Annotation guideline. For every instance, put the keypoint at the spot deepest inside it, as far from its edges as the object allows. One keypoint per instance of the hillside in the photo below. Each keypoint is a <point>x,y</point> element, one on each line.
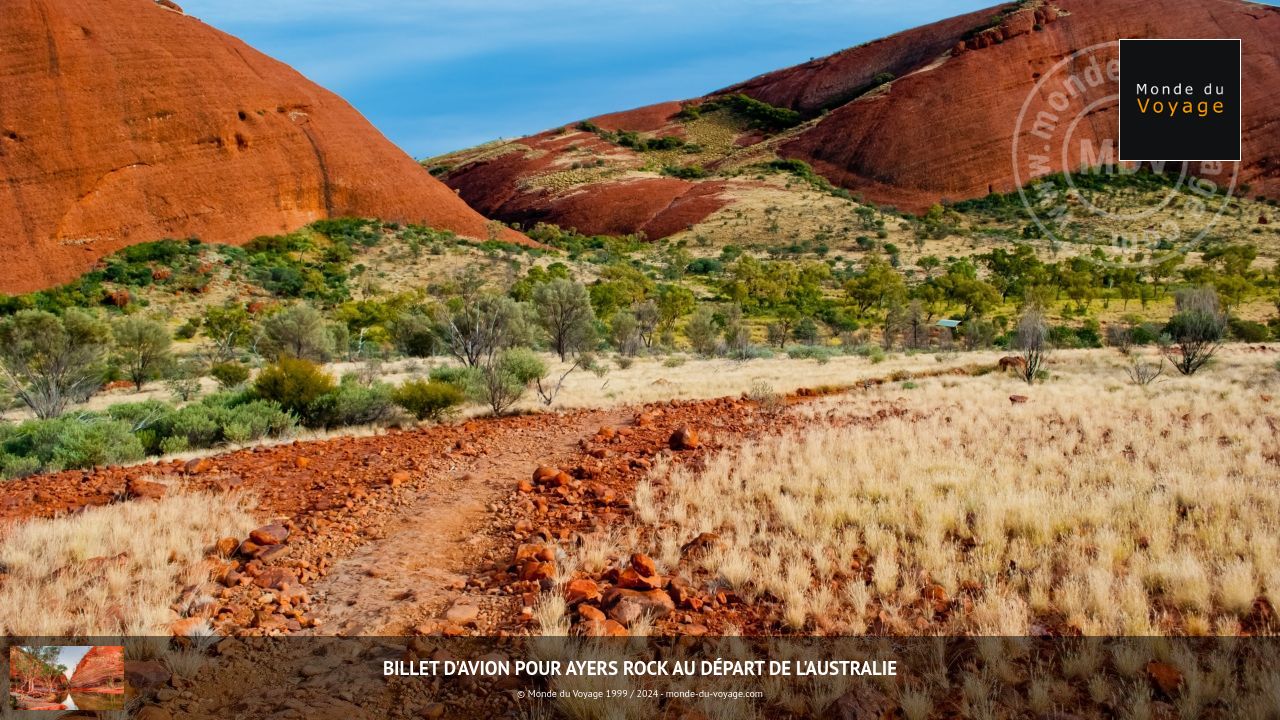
<point>922,117</point>
<point>224,144</point>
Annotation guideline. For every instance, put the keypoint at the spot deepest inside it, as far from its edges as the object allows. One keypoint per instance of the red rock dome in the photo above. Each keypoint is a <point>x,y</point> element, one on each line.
<point>124,121</point>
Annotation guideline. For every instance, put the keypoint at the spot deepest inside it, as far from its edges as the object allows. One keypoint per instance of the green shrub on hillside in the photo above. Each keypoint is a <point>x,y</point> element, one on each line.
<point>229,374</point>
<point>294,384</point>
<point>761,115</point>
<point>428,399</point>
<point>352,403</point>
<point>66,443</point>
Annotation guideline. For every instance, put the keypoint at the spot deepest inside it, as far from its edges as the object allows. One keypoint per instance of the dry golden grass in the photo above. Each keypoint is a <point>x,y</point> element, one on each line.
<point>1098,505</point>
<point>658,379</point>
<point>85,574</point>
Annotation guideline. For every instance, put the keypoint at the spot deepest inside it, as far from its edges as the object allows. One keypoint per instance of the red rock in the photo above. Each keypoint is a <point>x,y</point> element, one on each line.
<point>655,602</point>
<point>197,466</point>
<point>144,489</point>
<point>524,486</point>
<point>186,627</point>
<point>400,478</point>
<point>534,570</point>
<point>603,628</point>
<point>581,590</point>
<point>590,613</point>
<point>1165,676</point>
<point>982,78</point>
<point>101,668</point>
<point>633,580</point>
<point>684,438</point>
<point>153,712</point>
<point>276,578</point>
<point>226,546</point>
<point>145,675</point>
<point>302,463</point>
<point>545,474</point>
<point>644,565</point>
<point>113,147</point>
<point>531,551</point>
<point>272,534</point>
<point>703,542</point>
<point>1018,399</point>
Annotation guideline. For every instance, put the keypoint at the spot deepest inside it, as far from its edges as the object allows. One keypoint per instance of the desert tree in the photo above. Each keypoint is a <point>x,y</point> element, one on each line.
<point>702,331</point>
<point>228,328</point>
<point>479,329</point>
<point>1143,373</point>
<point>1195,331</point>
<point>299,331</point>
<point>564,313</point>
<point>47,361</point>
<point>504,379</point>
<point>1032,338</point>
<point>624,333</point>
<point>143,348</point>
<point>648,319</point>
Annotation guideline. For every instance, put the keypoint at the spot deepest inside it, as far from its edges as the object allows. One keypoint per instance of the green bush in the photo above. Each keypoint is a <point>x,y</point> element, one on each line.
<point>67,443</point>
<point>352,403</point>
<point>1249,331</point>
<point>463,378</point>
<point>428,399</point>
<point>229,374</point>
<point>294,384</point>
<point>812,352</point>
<point>501,384</point>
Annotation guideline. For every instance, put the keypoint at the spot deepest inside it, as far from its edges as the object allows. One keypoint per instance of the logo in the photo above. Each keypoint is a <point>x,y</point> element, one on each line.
<point>1078,192</point>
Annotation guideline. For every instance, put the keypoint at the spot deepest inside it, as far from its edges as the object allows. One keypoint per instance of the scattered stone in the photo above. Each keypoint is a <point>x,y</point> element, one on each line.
<point>146,675</point>
<point>1165,676</point>
<point>272,534</point>
<point>656,602</point>
<point>684,438</point>
<point>581,590</point>
<point>198,466</point>
<point>276,578</point>
<point>700,544</point>
<point>1018,399</point>
<point>545,474</point>
<point>644,565</point>
<point>400,478</point>
<point>140,489</point>
<point>226,546</point>
<point>462,614</point>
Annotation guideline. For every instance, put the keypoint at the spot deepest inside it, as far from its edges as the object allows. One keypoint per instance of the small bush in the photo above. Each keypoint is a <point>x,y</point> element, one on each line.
<point>1249,331</point>
<point>463,378</point>
<point>811,352</point>
<point>294,384</point>
<point>428,399</point>
<point>69,443</point>
<point>353,403</point>
<point>229,374</point>
<point>505,381</point>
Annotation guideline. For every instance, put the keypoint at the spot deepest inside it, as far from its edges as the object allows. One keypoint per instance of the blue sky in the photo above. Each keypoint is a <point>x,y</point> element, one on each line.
<point>439,75</point>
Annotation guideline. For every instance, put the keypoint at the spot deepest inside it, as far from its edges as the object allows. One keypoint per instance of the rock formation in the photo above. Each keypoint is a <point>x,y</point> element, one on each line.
<point>123,121</point>
<point>100,670</point>
<point>918,117</point>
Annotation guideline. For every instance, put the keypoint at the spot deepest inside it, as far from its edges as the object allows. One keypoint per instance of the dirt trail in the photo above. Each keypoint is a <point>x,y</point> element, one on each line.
<point>421,562</point>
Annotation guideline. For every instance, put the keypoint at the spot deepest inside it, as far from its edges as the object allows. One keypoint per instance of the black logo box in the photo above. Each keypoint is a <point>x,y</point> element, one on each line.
<point>1180,62</point>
